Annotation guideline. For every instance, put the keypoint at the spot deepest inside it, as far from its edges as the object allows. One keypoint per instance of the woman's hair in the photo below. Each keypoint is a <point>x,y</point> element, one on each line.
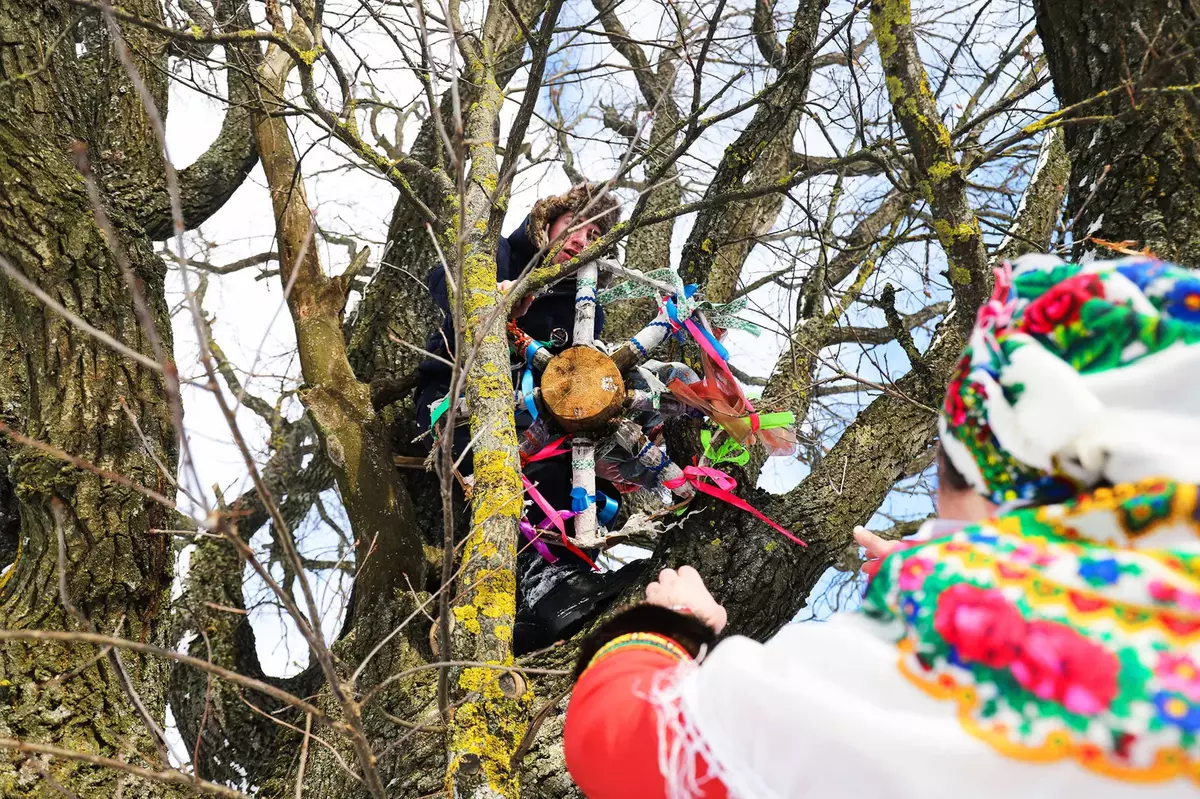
<point>948,475</point>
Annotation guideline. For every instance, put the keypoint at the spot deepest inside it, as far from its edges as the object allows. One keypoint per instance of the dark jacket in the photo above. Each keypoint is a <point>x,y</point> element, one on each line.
<point>553,310</point>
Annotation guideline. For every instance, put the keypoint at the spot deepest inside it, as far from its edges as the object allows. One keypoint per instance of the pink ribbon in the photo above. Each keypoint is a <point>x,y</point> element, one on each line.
<point>552,450</point>
<point>724,484</point>
<point>556,518</point>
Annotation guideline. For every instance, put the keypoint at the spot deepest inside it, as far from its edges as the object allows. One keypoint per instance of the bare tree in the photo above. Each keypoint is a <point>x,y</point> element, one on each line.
<point>853,171</point>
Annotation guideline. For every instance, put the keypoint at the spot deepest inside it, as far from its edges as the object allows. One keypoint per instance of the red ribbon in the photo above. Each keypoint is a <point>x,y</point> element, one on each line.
<point>724,485</point>
<point>552,450</point>
<point>556,518</point>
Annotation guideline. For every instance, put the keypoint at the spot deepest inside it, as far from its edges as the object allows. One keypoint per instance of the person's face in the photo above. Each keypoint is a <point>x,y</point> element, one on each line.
<point>960,504</point>
<point>575,238</point>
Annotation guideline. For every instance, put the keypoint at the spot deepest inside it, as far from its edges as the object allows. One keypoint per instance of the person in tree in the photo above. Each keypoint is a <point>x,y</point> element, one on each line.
<point>1040,639</point>
<point>553,599</point>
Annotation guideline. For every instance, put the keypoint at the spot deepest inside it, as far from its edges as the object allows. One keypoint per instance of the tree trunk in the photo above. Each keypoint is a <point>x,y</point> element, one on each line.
<point>60,386</point>
<point>1134,169</point>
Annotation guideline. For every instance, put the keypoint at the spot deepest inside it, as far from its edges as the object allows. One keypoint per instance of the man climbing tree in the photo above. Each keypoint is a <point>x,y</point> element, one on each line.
<point>555,594</point>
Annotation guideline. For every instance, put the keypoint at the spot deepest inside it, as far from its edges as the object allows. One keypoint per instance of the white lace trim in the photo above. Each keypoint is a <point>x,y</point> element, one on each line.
<point>680,744</point>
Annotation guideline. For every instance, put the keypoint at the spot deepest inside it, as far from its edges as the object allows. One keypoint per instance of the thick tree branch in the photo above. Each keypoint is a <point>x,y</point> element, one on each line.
<point>939,176</point>
<point>351,434</point>
<point>211,180</point>
<point>1041,204</point>
<point>764,144</point>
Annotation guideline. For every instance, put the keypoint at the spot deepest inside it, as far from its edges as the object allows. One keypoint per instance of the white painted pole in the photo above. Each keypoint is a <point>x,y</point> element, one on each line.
<point>585,306</point>
<point>583,475</point>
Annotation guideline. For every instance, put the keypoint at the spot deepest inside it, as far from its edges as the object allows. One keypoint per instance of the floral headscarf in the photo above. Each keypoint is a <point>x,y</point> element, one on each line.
<point>1077,375</point>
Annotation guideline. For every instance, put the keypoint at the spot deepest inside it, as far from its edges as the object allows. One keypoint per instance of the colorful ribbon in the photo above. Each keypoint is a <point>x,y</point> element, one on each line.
<point>531,534</point>
<point>730,450</point>
<point>556,518</point>
<point>527,380</point>
<point>439,410</point>
<point>724,484</point>
<point>726,316</point>
<point>558,446</point>
<point>534,535</point>
<point>606,506</point>
<point>723,316</point>
<point>771,421</point>
<point>716,352</point>
<point>631,289</point>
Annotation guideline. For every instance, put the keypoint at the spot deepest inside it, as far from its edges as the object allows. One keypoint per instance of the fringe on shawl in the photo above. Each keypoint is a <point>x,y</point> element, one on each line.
<point>681,747</point>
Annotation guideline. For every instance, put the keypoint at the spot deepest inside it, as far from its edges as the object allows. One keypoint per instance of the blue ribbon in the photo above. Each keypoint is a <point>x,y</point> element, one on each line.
<point>676,323</point>
<point>606,506</point>
<point>673,314</point>
<point>527,381</point>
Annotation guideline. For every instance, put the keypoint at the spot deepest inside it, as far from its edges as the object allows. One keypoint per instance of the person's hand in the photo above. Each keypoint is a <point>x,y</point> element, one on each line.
<point>876,547</point>
<point>521,307</point>
<point>684,591</point>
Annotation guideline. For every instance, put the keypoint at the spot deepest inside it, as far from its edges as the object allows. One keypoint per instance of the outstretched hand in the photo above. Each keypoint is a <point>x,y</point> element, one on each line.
<point>521,307</point>
<point>684,590</point>
<point>876,547</point>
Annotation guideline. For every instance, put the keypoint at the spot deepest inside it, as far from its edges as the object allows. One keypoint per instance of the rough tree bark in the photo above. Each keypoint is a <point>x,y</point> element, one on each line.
<point>1129,69</point>
<point>62,86</point>
<point>61,387</point>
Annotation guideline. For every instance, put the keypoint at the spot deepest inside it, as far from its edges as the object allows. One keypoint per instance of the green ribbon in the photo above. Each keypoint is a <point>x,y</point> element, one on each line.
<point>437,412</point>
<point>730,450</point>
<point>726,316</point>
<point>632,289</point>
<point>722,316</point>
<point>769,421</point>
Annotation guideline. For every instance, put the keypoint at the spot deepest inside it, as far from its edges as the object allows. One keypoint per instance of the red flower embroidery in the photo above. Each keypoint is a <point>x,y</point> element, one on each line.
<point>1060,305</point>
<point>1060,664</point>
<point>1049,659</point>
<point>913,573</point>
<point>980,624</point>
<point>1168,594</point>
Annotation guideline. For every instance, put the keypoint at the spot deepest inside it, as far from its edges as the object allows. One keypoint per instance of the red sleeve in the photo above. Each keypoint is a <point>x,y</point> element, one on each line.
<point>611,733</point>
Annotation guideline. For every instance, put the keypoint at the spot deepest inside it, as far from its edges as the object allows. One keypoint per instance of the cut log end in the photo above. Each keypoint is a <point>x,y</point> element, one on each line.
<point>582,389</point>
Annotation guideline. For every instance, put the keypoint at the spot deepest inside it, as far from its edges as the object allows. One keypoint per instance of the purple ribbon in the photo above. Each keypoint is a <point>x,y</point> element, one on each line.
<point>532,534</point>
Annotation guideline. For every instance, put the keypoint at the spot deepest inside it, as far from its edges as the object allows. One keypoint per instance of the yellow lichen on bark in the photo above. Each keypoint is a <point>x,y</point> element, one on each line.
<point>488,724</point>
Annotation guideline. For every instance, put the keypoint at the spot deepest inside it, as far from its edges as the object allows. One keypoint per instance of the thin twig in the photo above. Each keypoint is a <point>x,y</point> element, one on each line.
<point>168,776</point>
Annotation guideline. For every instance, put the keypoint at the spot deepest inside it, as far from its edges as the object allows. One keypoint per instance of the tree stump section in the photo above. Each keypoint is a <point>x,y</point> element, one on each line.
<point>582,389</point>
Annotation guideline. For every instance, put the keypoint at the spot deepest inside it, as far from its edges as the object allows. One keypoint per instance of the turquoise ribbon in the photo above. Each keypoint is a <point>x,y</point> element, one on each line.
<point>606,506</point>
<point>527,381</point>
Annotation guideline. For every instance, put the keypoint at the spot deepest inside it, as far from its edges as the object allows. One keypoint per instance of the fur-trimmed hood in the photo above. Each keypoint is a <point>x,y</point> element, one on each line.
<point>590,201</point>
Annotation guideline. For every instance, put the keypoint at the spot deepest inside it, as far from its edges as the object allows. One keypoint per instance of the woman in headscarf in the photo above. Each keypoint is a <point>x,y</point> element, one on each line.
<point>1040,639</point>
